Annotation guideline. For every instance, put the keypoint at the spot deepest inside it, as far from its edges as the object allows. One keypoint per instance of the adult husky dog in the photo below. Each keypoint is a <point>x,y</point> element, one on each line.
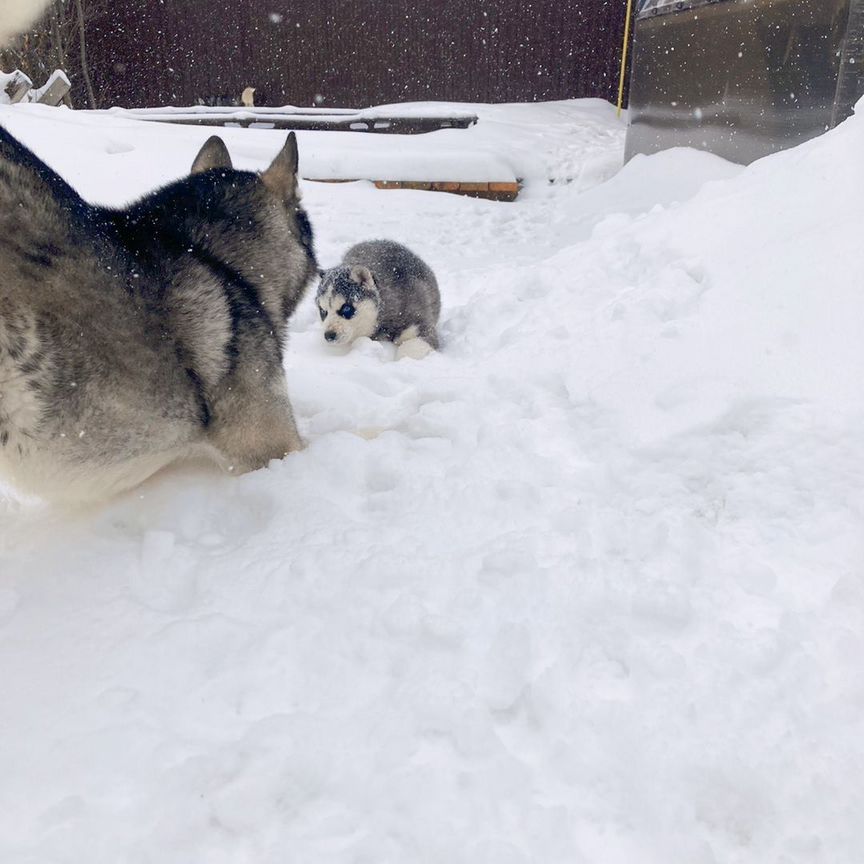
<point>133,338</point>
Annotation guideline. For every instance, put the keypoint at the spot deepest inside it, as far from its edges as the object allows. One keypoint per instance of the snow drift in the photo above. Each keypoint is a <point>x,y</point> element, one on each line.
<point>590,590</point>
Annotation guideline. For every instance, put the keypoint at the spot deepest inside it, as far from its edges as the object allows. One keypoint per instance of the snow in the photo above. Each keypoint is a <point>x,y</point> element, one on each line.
<point>584,587</point>
<point>533,142</point>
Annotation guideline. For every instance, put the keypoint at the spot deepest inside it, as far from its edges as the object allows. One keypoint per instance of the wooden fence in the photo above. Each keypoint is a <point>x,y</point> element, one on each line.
<point>352,52</point>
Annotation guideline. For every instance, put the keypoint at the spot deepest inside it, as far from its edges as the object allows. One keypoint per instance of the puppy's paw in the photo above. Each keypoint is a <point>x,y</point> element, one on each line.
<point>369,433</point>
<point>416,349</point>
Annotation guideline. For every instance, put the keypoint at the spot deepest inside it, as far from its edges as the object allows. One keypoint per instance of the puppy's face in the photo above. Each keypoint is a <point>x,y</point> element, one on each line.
<point>348,304</point>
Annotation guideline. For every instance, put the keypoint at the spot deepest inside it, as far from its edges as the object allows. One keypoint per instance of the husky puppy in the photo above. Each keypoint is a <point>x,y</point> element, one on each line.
<point>384,291</point>
<point>133,338</point>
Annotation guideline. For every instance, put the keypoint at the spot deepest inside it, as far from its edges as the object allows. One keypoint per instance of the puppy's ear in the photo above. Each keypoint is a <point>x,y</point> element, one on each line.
<point>214,154</point>
<point>281,177</point>
<point>363,276</point>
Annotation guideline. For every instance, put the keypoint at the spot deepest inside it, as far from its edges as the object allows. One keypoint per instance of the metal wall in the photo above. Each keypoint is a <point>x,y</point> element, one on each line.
<point>742,78</point>
<point>354,52</point>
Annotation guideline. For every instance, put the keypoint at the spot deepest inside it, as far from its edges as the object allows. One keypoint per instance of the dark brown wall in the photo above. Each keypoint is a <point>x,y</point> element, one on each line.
<point>355,53</point>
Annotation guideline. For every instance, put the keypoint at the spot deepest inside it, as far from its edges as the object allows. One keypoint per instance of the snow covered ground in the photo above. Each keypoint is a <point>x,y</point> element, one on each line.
<point>591,590</point>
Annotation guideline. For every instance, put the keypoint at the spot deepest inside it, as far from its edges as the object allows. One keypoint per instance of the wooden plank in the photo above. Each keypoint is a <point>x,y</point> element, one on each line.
<point>504,187</point>
<point>299,119</point>
<point>503,191</point>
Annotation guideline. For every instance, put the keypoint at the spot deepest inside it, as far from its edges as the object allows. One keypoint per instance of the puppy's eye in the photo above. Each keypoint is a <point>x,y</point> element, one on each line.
<point>346,310</point>
<point>322,313</point>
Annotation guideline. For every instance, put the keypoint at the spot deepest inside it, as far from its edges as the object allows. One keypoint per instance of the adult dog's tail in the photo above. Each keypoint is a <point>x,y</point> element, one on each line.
<point>17,15</point>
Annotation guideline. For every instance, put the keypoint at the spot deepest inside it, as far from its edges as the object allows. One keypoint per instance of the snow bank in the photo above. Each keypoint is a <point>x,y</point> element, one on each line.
<point>557,141</point>
<point>588,590</point>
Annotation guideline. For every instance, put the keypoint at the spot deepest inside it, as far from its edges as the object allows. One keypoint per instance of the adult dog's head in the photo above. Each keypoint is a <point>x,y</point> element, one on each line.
<point>247,228</point>
<point>255,222</point>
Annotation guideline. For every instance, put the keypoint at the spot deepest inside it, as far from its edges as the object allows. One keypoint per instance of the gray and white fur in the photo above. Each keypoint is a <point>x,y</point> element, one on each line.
<point>383,291</point>
<point>133,338</point>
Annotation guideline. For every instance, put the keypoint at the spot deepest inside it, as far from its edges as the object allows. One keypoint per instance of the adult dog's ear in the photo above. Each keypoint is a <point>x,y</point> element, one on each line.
<point>363,276</point>
<point>281,177</point>
<point>214,154</point>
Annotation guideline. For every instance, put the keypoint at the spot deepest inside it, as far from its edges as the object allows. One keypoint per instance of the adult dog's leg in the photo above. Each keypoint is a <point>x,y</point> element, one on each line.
<point>252,424</point>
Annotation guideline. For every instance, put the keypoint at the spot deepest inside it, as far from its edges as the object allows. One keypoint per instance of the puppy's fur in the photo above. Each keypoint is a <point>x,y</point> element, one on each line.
<point>132,338</point>
<point>383,291</point>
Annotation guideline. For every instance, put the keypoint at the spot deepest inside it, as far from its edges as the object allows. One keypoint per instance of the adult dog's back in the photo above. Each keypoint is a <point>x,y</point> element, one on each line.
<point>131,338</point>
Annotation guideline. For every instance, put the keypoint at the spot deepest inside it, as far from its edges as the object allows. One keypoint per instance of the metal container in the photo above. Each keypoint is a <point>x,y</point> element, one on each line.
<point>743,78</point>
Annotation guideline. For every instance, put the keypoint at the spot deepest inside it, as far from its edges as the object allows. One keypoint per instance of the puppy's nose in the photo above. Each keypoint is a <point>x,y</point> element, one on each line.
<point>330,335</point>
